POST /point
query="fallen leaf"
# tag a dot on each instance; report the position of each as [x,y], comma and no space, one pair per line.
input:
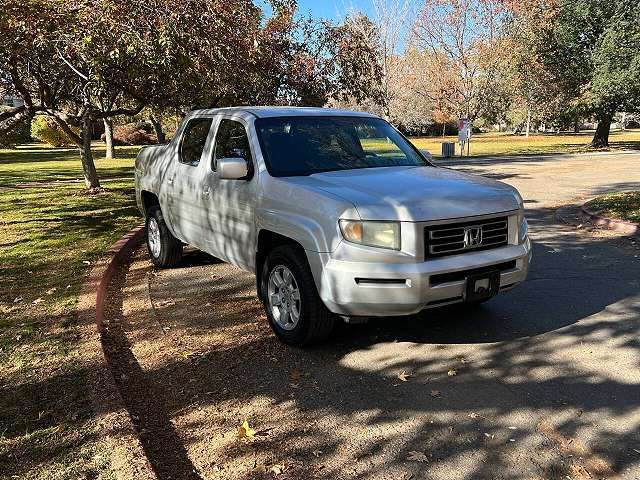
[404,376]
[317,453]
[435,393]
[38,300]
[452,372]
[86,262]
[245,431]
[17,300]
[277,469]
[51,291]
[474,415]
[414,456]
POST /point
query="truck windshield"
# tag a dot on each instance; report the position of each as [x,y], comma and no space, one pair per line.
[294,146]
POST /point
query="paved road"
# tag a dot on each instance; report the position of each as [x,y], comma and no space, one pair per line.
[541,382]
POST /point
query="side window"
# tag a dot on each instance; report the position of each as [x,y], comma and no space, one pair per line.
[193,140]
[231,142]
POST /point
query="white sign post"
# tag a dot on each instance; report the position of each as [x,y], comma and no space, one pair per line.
[464,134]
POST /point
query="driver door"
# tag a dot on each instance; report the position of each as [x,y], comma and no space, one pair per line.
[228,205]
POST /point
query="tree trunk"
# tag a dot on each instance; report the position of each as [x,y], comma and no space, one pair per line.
[157,127]
[601,137]
[88,166]
[444,129]
[108,138]
[528,129]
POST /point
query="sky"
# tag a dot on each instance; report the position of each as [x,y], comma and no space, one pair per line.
[331,9]
[334,9]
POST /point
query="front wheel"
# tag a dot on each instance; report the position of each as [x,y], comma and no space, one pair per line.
[165,250]
[295,311]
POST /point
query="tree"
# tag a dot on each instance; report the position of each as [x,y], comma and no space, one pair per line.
[467,45]
[393,90]
[81,62]
[66,60]
[592,52]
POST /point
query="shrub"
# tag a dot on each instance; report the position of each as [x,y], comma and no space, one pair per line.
[18,134]
[138,133]
[47,130]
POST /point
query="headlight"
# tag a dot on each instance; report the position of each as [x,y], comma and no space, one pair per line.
[374,234]
[523,230]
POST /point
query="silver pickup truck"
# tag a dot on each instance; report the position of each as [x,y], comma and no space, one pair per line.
[338,215]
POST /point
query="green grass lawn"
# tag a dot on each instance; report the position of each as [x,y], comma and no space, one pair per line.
[620,206]
[50,234]
[38,163]
[507,144]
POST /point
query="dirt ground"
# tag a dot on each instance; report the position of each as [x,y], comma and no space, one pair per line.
[541,382]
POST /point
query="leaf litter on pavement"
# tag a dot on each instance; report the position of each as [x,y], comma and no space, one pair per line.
[415,456]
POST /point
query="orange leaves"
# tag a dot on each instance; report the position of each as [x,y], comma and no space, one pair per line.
[245,431]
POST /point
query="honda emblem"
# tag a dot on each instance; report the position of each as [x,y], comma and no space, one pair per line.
[472,237]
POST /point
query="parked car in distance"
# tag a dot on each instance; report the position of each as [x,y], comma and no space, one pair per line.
[336,213]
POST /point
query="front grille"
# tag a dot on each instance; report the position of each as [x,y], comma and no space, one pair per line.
[455,238]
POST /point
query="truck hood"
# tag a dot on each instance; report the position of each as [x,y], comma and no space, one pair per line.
[415,194]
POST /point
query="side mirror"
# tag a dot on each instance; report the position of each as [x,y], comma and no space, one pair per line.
[232,168]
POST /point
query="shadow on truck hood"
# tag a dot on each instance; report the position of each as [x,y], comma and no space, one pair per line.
[415,193]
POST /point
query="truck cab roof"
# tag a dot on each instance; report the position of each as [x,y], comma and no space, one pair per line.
[276,111]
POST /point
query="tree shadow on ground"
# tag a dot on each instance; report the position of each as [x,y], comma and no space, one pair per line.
[545,377]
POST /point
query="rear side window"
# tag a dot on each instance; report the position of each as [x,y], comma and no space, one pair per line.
[231,142]
[193,140]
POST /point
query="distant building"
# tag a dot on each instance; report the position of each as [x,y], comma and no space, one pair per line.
[12,101]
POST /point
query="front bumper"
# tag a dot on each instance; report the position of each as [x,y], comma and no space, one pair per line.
[387,289]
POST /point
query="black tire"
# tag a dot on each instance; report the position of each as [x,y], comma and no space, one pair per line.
[170,252]
[316,322]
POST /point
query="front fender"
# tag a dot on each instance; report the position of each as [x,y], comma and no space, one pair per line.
[308,232]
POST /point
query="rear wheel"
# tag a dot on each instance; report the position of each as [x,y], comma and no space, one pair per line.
[165,250]
[295,311]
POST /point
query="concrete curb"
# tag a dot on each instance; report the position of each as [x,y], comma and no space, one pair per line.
[621,226]
[118,252]
[112,421]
